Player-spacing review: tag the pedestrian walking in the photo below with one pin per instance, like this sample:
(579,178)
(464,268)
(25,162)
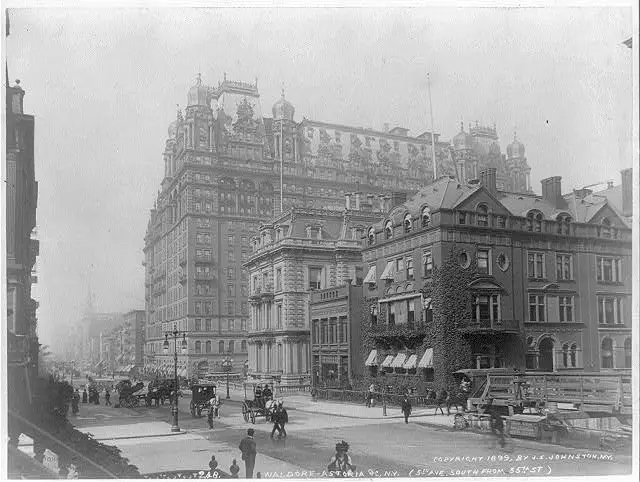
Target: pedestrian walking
(406,408)
(84,395)
(284,419)
(497,428)
(213,463)
(370,400)
(275,417)
(441,399)
(75,400)
(211,413)
(248,449)
(107,397)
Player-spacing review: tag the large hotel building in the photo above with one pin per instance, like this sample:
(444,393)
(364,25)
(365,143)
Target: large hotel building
(222,178)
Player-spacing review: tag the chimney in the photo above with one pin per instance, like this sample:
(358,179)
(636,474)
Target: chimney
(347,200)
(357,201)
(582,193)
(627,191)
(488,179)
(552,191)
(609,184)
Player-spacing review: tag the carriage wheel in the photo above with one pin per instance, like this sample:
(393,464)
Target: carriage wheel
(245,412)
(199,411)
(192,409)
(253,416)
(134,402)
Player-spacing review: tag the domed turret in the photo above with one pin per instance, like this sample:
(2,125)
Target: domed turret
(462,140)
(283,109)
(198,94)
(516,148)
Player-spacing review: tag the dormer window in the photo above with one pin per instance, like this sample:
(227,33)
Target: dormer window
(534,221)
(408,224)
(425,216)
(564,220)
(605,231)
(388,230)
(371,236)
(483,215)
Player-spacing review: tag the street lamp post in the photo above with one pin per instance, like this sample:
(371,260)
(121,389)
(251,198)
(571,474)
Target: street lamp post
(175,333)
(227,364)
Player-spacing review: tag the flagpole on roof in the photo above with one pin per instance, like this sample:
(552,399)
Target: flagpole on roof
(433,142)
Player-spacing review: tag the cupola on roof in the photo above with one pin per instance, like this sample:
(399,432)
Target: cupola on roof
(516,148)
(283,109)
(198,94)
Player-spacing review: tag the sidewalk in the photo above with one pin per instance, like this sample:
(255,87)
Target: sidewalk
(130,431)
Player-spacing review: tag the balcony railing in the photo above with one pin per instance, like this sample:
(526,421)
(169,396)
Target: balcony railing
(204,276)
(472,325)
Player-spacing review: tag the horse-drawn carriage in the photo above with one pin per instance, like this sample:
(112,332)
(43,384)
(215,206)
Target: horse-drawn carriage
(160,390)
(201,395)
(262,404)
(128,394)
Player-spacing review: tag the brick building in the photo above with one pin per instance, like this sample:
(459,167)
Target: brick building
(551,291)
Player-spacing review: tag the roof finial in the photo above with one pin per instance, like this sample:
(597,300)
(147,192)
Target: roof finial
(515,136)
(282,95)
(225,76)
(199,79)
(461,125)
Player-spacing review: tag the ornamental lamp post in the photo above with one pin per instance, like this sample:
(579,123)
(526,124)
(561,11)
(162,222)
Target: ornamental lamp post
(227,364)
(165,348)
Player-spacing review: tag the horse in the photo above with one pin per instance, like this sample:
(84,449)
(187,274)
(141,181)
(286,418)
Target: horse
(448,399)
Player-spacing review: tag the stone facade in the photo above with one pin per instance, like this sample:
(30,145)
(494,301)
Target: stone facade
(300,251)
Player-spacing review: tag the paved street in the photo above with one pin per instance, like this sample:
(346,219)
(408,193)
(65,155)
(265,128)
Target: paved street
(379,447)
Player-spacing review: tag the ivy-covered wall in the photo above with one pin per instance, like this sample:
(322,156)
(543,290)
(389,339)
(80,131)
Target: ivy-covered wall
(451,301)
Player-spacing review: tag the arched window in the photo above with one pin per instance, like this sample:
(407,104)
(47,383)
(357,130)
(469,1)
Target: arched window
(221,347)
(574,349)
(198,347)
(482,218)
(606,352)
(565,355)
(388,229)
(534,221)
(564,221)
(408,224)
(231,346)
(243,346)
(605,231)
(425,216)
(628,358)
(207,347)
(371,236)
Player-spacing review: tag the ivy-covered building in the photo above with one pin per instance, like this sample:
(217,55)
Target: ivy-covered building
(467,276)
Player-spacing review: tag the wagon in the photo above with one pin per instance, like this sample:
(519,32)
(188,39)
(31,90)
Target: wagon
(258,407)
(128,397)
(201,393)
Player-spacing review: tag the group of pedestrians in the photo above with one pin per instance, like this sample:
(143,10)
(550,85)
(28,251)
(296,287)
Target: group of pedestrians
(280,418)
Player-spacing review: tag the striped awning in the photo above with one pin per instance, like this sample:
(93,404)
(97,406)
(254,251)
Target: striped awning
(427,359)
(387,361)
(371,275)
(389,270)
(398,361)
(411,362)
(372,359)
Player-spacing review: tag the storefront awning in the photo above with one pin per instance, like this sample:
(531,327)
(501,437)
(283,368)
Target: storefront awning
(411,362)
(387,361)
(389,270)
(182,373)
(399,298)
(398,361)
(371,275)
(372,359)
(427,359)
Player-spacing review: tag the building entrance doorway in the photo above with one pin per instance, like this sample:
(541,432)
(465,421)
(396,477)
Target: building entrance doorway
(330,374)
(545,362)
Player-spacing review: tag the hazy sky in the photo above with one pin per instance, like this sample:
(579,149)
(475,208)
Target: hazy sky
(104,84)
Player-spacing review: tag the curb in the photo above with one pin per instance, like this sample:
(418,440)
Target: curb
(128,437)
(381,417)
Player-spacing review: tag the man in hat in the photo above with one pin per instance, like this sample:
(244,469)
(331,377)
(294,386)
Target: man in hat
(248,449)
(406,408)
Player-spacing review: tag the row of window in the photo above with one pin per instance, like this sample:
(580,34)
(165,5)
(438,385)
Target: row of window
(329,331)
(206,347)
(534,220)
(230,325)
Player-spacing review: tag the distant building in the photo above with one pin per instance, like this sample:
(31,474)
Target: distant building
(336,316)
(552,290)
(300,251)
(123,346)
